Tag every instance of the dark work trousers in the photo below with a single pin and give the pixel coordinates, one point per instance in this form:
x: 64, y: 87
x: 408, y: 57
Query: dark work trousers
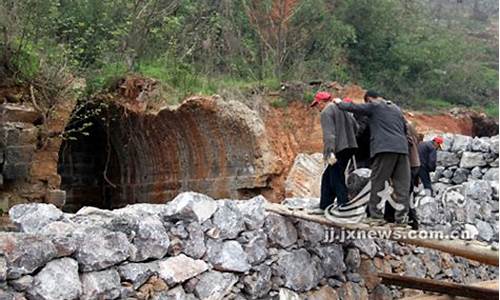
x: 424, y: 175
x: 412, y: 214
x: 333, y: 180
x: 395, y: 167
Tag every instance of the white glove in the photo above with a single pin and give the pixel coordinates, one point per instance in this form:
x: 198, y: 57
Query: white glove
x: 331, y: 159
x: 337, y: 100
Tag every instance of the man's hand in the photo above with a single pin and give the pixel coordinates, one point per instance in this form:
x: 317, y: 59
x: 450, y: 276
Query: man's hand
x: 337, y: 100
x: 330, y: 158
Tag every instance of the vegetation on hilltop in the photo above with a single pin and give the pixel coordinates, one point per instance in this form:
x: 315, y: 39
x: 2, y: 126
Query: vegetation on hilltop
x: 435, y: 51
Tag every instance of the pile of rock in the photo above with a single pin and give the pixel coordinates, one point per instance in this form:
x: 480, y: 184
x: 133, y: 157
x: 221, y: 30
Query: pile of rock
x: 466, y: 186
x: 195, y: 247
x: 465, y: 158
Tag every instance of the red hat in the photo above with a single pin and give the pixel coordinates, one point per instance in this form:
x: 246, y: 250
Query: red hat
x: 321, y: 97
x: 347, y: 99
x: 439, y: 140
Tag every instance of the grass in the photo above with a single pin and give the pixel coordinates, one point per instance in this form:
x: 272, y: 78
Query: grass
x: 178, y: 81
x: 432, y: 105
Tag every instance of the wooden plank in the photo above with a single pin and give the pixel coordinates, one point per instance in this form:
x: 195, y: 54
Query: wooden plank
x: 472, y: 250
x: 449, y: 288
x: 468, y: 249
x: 493, y: 284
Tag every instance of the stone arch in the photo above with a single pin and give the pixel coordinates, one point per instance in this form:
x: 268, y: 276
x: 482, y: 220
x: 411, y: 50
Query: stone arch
x: 206, y: 145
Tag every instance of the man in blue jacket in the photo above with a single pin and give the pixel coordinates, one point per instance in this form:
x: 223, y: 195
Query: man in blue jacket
x: 388, y: 152
x: 427, y: 152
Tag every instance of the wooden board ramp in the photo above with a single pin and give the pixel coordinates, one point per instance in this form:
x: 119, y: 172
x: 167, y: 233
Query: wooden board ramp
x: 443, y: 287
x: 492, y: 284
x: 473, y: 250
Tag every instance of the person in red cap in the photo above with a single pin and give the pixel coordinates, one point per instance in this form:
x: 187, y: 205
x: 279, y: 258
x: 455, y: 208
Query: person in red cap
x: 339, y: 144
x: 427, y: 152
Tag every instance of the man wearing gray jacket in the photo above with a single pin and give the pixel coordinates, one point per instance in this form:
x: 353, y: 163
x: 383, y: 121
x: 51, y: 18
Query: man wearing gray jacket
x: 339, y: 144
x: 388, y: 152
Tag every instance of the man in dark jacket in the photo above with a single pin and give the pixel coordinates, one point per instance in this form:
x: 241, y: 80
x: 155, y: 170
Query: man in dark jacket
x: 388, y: 152
x: 427, y: 152
x: 412, y: 137
x: 339, y: 143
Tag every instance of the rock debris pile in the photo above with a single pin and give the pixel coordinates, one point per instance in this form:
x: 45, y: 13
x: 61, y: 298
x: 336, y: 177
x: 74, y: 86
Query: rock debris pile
x: 195, y: 247
x: 466, y: 186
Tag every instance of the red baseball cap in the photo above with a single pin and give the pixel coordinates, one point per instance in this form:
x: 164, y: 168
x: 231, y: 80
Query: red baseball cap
x: 347, y: 99
x: 439, y: 140
x: 321, y: 97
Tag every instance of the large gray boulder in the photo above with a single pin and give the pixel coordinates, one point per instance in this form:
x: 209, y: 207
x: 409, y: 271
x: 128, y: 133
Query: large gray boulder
x: 138, y: 273
x: 100, y: 285
x: 61, y: 233
x: 215, y: 285
x: 194, y: 245
x: 460, y: 175
x: 298, y: 270
x: 254, y: 212
x: 32, y: 217
x: 255, y: 246
x: 141, y: 210
x: 491, y: 174
x: 461, y: 143
x: 190, y: 206
x: 311, y: 232
x: 485, y: 231
x: 227, y: 256
x: 472, y: 159
x: 180, y: 268
x: 481, y: 144
x: 447, y: 159
x: 476, y: 173
x: 58, y: 280
x: 151, y: 239
x: 280, y: 231
x: 427, y: 213
x: 25, y: 253
x: 258, y: 283
x: 366, y: 246
x: 89, y: 216
x: 478, y: 190
x: 228, y: 219
x: 414, y: 266
x: 100, y: 249
x: 331, y: 259
x: 494, y: 144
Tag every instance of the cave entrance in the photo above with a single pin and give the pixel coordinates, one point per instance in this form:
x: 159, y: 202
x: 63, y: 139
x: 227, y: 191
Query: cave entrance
x: 89, y: 168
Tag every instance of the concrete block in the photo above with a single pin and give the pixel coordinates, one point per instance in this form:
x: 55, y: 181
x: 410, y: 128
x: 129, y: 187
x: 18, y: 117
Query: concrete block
x: 19, y: 113
x: 17, y: 171
x: 19, y: 154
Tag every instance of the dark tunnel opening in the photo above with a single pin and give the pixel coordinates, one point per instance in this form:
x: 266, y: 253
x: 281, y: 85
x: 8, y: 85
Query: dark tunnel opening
x: 89, y: 168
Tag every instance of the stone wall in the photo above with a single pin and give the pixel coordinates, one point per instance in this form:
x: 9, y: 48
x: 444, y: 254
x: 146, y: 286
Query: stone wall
x: 197, y: 248
x: 29, y: 145
x: 466, y: 186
